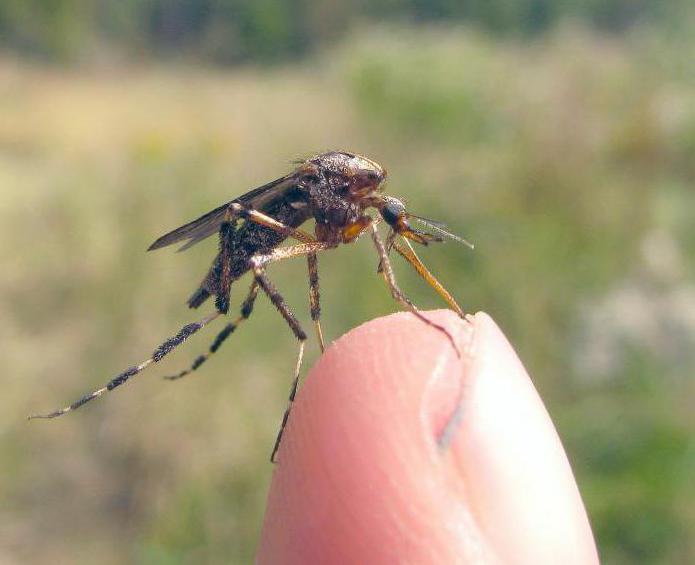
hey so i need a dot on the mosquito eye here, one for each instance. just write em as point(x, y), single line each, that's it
point(390, 212)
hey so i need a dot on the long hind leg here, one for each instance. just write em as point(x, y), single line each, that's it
point(258, 264)
point(246, 310)
point(159, 353)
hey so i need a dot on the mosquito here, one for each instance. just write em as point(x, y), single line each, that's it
point(337, 189)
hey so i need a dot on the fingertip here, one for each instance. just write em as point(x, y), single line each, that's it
point(355, 478)
point(374, 467)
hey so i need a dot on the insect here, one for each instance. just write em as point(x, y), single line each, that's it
point(338, 190)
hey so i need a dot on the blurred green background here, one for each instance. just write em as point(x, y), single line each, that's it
point(559, 136)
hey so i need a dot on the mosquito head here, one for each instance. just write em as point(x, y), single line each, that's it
point(395, 215)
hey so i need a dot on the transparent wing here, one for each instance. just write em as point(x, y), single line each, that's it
point(208, 224)
point(194, 231)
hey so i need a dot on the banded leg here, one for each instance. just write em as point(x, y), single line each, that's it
point(290, 401)
point(225, 267)
point(396, 293)
point(159, 353)
point(246, 310)
point(314, 297)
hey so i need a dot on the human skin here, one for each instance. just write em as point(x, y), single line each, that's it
point(363, 477)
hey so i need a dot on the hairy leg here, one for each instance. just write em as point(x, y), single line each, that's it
point(159, 353)
point(246, 310)
point(314, 297)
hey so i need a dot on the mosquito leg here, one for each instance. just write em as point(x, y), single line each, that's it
point(290, 401)
point(408, 253)
point(238, 210)
point(310, 250)
point(279, 303)
point(220, 276)
point(162, 350)
point(314, 297)
point(225, 267)
point(246, 310)
point(218, 280)
point(390, 240)
point(387, 271)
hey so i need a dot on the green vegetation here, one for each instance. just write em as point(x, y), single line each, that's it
point(227, 31)
point(567, 159)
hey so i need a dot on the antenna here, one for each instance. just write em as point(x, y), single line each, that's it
point(440, 228)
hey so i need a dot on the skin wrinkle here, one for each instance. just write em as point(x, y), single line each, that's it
point(422, 448)
point(440, 419)
point(457, 416)
point(460, 523)
point(429, 424)
point(479, 543)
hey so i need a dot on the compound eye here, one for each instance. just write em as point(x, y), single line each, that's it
point(391, 211)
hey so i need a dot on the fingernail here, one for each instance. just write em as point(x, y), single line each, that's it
point(511, 462)
point(443, 393)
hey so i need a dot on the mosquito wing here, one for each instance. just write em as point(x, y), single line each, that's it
point(208, 224)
